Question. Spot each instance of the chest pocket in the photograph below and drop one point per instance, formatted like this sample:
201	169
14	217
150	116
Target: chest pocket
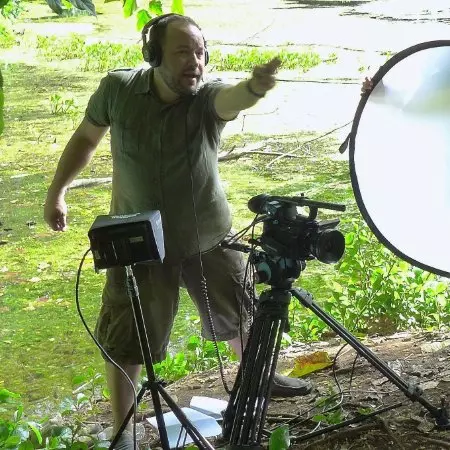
131	141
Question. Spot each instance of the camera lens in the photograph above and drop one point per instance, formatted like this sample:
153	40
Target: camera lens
328	246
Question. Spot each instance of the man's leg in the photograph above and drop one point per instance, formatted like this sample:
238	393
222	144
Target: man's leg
282	386
224	271
116	330
237	345
121	392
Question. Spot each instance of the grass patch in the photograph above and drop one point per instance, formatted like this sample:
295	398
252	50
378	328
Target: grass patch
246	59
95	57
103	56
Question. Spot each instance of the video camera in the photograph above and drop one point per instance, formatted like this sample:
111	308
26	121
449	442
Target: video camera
288	234
289	238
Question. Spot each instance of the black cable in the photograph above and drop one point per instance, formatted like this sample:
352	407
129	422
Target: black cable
248	266
203	282
104	352
352	372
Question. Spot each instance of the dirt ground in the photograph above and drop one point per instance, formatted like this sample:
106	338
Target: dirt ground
422	358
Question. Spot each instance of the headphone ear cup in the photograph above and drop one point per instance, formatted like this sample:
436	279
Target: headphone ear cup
154	55
145	53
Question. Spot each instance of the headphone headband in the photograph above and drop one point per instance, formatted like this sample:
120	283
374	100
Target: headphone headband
152	22
152	51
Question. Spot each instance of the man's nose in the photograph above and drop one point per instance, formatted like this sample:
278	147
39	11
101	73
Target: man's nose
194	59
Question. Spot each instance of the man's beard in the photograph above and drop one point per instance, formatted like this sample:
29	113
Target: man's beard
177	87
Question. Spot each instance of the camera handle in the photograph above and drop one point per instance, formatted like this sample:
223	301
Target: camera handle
156	389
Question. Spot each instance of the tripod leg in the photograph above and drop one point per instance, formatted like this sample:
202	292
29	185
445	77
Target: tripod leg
247	408
411	391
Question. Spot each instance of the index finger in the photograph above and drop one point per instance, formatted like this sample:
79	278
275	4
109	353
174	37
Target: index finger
274	63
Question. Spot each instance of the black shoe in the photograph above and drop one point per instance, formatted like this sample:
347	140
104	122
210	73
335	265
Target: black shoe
290	387
125	442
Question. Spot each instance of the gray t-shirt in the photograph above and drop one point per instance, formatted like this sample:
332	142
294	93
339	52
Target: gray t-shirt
165	158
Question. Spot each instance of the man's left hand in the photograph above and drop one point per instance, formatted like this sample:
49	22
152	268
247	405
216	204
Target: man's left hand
263	76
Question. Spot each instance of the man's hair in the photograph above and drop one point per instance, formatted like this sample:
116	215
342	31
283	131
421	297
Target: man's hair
158	31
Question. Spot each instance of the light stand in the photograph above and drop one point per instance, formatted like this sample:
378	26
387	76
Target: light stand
122	241
155	387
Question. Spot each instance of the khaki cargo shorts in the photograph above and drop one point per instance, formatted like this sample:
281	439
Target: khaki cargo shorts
158	286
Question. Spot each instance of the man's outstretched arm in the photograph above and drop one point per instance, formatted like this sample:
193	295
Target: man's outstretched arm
77	154
231	100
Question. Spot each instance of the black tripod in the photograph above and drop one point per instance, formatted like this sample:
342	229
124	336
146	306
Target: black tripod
155	387
246	412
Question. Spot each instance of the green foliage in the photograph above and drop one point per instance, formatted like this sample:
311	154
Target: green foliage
372	291
20	433
245	59
16	432
11	9
7	38
199	355
330	418
61	105
61	7
142	17
57	49
377	292
177	7
103	56
305	325
279	438
2	101
96	57
129	6
155	9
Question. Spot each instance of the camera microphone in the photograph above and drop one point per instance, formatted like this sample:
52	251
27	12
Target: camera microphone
258	203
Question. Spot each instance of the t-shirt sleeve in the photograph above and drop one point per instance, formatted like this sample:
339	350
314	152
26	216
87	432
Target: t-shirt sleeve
98	110
211	90
212	123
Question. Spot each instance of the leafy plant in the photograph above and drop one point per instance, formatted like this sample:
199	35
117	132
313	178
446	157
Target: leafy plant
57	49
155	8
61	7
376	291
200	355
6	37
61	105
16	431
11	9
103	56
330	418
65	432
279	438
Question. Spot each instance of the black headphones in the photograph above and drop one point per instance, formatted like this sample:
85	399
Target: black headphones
152	51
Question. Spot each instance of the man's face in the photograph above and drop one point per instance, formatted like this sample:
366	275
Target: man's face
183	58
